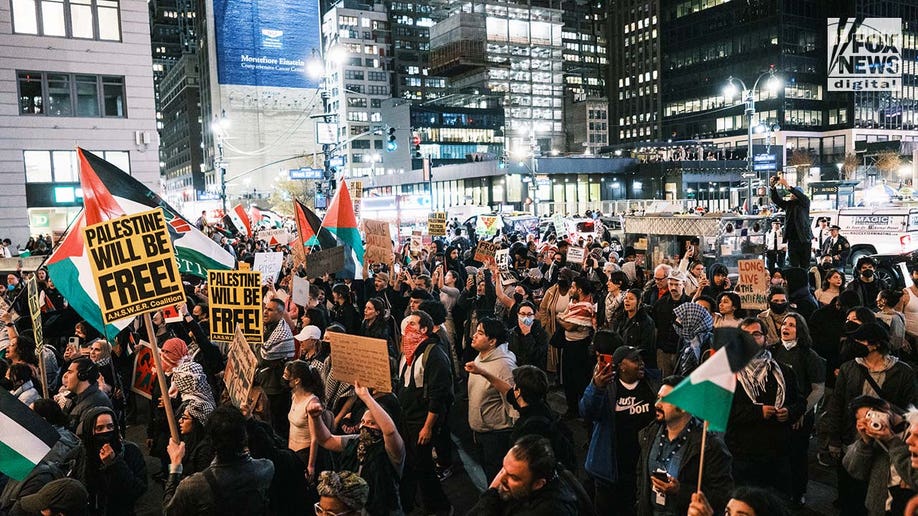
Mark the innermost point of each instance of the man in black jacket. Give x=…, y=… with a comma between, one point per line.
x=663, y=316
x=797, y=232
x=425, y=391
x=81, y=380
x=529, y=484
x=671, y=448
x=866, y=284
x=766, y=404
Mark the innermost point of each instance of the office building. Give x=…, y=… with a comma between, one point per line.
x=634, y=87
x=409, y=35
x=84, y=79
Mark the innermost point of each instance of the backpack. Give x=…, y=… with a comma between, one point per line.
x=562, y=441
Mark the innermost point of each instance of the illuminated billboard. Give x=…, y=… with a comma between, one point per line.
x=266, y=42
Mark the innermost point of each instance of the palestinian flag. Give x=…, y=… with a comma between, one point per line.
x=310, y=229
x=239, y=220
x=708, y=392
x=25, y=438
x=109, y=193
x=341, y=221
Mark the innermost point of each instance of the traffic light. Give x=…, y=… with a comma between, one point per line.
x=392, y=144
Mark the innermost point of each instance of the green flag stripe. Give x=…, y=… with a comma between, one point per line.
x=13, y=464
x=705, y=400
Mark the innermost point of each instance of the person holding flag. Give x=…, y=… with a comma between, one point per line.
x=669, y=466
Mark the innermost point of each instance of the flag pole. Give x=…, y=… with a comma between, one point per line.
x=704, y=439
x=161, y=375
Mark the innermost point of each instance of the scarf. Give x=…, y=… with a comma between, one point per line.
x=697, y=323
x=411, y=339
x=754, y=377
x=369, y=437
x=789, y=344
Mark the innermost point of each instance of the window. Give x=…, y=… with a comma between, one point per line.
x=80, y=19
x=63, y=167
x=62, y=94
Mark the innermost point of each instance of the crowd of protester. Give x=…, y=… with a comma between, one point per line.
x=474, y=344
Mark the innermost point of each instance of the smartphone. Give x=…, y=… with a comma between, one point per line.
x=662, y=476
x=604, y=359
x=74, y=344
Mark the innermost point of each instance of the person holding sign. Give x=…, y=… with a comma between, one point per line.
x=278, y=347
x=376, y=451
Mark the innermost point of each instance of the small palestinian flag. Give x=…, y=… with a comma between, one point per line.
x=25, y=438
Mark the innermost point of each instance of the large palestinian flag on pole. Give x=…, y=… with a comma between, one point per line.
x=25, y=438
x=309, y=227
x=110, y=193
x=342, y=222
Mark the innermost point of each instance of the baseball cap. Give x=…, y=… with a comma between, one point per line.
x=623, y=352
x=64, y=495
x=309, y=332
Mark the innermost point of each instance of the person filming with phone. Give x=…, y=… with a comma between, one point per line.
x=797, y=233
x=612, y=457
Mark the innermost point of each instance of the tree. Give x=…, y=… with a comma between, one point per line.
x=849, y=167
x=801, y=160
x=285, y=191
x=888, y=163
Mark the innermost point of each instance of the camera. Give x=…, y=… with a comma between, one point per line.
x=877, y=420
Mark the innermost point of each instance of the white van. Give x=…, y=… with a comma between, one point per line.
x=889, y=230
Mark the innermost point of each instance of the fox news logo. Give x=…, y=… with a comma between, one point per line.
x=865, y=54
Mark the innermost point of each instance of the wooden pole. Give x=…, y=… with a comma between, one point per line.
x=704, y=440
x=161, y=375
x=44, y=376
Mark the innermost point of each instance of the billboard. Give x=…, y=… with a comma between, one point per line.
x=266, y=42
x=865, y=54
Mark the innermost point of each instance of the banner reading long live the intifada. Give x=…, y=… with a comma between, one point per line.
x=134, y=265
x=235, y=300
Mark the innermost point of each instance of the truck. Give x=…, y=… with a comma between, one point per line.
x=887, y=230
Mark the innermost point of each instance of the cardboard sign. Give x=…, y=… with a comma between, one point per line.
x=269, y=264
x=502, y=257
x=376, y=254
x=274, y=236
x=485, y=252
x=235, y=304
x=360, y=359
x=327, y=261
x=240, y=369
x=417, y=241
x=355, y=188
x=752, y=286
x=134, y=265
x=35, y=312
x=436, y=223
x=379, y=242
x=300, y=291
x=378, y=228
x=575, y=255
x=144, y=376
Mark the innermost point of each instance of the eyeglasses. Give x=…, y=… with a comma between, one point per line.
x=323, y=512
x=756, y=334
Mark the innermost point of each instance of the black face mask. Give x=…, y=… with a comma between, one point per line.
x=778, y=308
x=518, y=298
x=859, y=350
x=111, y=438
x=867, y=273
x=851, y=327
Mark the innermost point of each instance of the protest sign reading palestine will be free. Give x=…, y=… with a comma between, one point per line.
x=133, y=264
x=235, y=300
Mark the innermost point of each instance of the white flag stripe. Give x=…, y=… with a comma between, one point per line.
x=716, y=370
x=20, y=439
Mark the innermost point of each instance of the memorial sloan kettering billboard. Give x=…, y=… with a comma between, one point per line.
x=266, y=42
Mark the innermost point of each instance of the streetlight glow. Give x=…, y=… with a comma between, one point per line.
x=730, y=90
x=774, y=84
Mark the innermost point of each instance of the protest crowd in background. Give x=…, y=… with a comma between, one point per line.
x=333, y=392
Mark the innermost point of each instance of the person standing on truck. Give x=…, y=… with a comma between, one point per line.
x=837, y=247
x=797, y=233
x=775, y=248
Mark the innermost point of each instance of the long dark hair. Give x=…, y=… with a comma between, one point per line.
x=804, y=339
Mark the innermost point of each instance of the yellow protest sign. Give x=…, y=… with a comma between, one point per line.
x=436, y=223
x=235, y=301
x=134, y=265
x=35, y=312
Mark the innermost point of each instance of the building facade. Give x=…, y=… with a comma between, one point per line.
x=180, y=150
x=74, y=75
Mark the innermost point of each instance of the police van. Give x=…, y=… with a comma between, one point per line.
x=887, y=230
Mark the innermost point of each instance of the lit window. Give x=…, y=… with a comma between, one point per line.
x=80, y=19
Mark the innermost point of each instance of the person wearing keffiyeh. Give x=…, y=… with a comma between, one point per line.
x=278, y=347
x=765, y=405
x=695, y=327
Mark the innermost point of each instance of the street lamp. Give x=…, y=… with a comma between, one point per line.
x=219, y=128
x=736, y=87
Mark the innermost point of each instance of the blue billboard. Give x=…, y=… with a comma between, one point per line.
x=266, y=42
